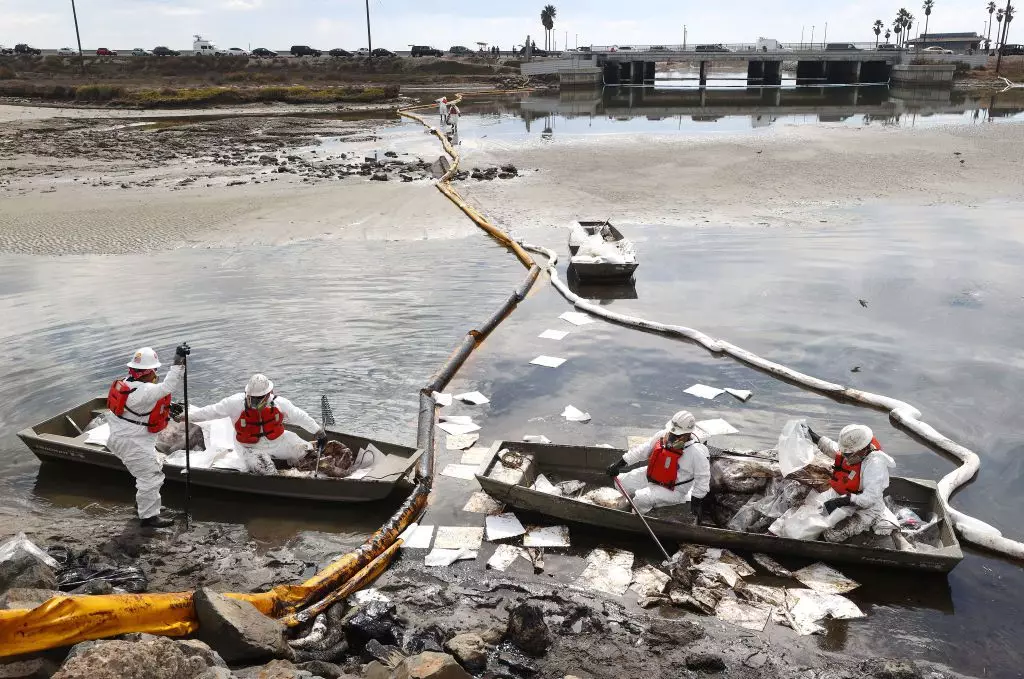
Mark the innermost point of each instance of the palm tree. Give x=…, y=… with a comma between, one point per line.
x=547, y=17
x=908, y=23
x=928, y=5
x=897, y=28
x=888, y=34
x=878, y=31
x=991, y=11
x=999, y=27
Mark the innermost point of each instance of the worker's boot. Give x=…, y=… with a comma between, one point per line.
x=157, y=522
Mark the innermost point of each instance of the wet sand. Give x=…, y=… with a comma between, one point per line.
x=785, y=178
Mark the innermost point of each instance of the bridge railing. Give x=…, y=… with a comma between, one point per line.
x=701, y=48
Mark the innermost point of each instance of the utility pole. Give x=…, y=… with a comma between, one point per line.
x=1005, y=30
x=802, y=36
x=812, y=37
x=684, y=37
x=369, y=40
x=81, y=59
x=824, y=41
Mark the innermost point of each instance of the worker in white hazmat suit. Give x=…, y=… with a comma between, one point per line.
x=442, y=108
x=140, y=408
x=678, y=468
x=259, y=416
x=857, y=487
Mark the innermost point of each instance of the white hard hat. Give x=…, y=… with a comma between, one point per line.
x=681, y=423
x=259, y=385
x=854, y=438
x=144, y=359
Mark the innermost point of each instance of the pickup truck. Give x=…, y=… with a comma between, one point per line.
x=304, y=51
x=22, y=48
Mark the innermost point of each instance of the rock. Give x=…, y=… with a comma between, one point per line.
x=705, y=662
x=431, y=665
x=470, y=650
x=883, y=668
x=376, y=670
x=26, y=570
x=506, y=175
x=491, y=636
x=379, y=177
x=509, y=661
x=390, y=154
x=527, y=629
x=389, y=656
x=196, y=648
x=510, y=169
x=150, y=658
x=236, y=630
x=216, y=673
x=34, y=668
x=26, y=597
x=319, y=668
x=94, y=587
x=429, y=638
x=676, y=633
x=268, y=160
x=276, y=669
x=376, y=620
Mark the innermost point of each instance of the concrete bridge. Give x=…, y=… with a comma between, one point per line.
x=612, y=65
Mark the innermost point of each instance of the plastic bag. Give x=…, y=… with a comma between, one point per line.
x=21, y=543
x=795, y=450
x=808, y=521
x=781, y=496
x=606, y=497
x=746, y=517
x=730, y=475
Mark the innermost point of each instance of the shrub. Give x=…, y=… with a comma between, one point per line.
x=6, y=73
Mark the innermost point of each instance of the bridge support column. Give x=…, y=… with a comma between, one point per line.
x=755, y=72
x=772, y=72
x=612, y=73
x=638, y=70
x=649, y=72
x=703, y=74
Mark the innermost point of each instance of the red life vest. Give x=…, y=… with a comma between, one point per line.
x=846, y=477
x=256, y=423
x=663, y=465
x=155, y=420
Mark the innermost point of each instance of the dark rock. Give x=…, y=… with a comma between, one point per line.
x=34, y=668
x=470, y=650
x=510, y=169
x=705, y=662
x=509, y=661
x=194, y=647
x=527, y=629
x=429, y=638
x=431, y=665
x=390, y=154
x=26, y=597
x=377, y=620
x=390, y=656
x=236, y=630
x=26, y=570
x=674, y=633
x=405, y=177
x=883, y=668
x=151, y=658
x=506, y=175
x=379, y=177
x=323, y=669
x=94, y=587
x=237, y=182
x=268, y=160
x=276, y=669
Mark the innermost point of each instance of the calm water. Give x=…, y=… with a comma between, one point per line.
x=367, y=323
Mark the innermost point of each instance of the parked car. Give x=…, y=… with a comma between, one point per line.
x=711, y=48
x=1012, y=50
x=426, y=51
x=5, y=50
x=887, y=47
x=22, y=48
x=658, y=48
x=161, y=51
x=460, y=51
x=338, y=52
x=381, y=52
x=305, y=51
x=139, y=52
x=263, y=52
x=935, y=49
x=841, y=47
x=362, y=52
x=66, y=52
x=104, y=52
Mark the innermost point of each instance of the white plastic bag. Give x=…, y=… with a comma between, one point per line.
x=795, y=450
x=21, y=543
x=808, y=521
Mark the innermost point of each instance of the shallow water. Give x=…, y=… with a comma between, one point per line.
x=367, y=323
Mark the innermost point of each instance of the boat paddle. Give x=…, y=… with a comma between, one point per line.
x=188, y=443
x=326, y=418
x=654, y=537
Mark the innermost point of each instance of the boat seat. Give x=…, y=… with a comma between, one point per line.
x=388, y=469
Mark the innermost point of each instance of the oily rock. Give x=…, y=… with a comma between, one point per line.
x=151, y=658
x=470, y=650
x=527, y=629
x=236, y=630
x=430, y=665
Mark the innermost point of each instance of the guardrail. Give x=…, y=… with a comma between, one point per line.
x=711, y=48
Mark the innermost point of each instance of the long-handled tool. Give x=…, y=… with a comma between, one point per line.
x=188, y=444
x=646, y=525
x=326, y=418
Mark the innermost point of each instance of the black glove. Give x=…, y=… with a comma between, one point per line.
x=180, y=353
x=697, y=509
x=814, y=436
x=615, y=468
x=841, y=501
x=321, y=437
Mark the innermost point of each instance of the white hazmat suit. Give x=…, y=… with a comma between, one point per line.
x=136, y=447
x=694, y=475
x=868, y=508
x=289, y=446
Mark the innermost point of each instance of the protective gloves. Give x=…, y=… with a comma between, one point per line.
x=321, y=437
x=616, y=468
x=180, y=353
x=841, y=501
x=814, y=436
x=697, y=509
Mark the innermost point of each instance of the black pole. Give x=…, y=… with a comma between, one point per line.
x=188, y=451
x=1004, y=29
x=81, y=59
x=369, y=40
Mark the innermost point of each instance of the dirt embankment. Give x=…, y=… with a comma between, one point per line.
x=154, y=82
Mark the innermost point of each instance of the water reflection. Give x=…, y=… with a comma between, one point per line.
x=667, y=109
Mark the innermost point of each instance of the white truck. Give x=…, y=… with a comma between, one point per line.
x=769, y=45
x=202, y=47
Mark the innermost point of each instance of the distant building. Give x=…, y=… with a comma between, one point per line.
x=958, y=42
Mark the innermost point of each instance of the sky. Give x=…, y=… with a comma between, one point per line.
x=396, y=24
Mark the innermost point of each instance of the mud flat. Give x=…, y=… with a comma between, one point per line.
x=789, y=177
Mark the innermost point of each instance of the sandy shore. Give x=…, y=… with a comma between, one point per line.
x=787, y=177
